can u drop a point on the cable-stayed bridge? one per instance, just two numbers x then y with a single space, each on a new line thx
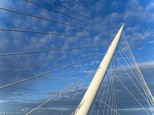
119 84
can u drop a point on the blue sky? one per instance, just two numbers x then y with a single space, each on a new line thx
138 16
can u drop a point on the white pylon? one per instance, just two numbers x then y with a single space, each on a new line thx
95 84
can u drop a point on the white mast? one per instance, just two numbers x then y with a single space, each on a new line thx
93 88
